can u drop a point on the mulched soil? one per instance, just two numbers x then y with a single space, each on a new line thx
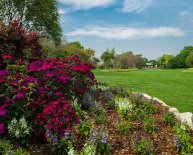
122 144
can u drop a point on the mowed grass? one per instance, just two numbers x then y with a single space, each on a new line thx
174 87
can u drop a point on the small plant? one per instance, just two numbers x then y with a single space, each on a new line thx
110 104
7 149
107 95
77 109
99 115
124 126
99 139
143 146
169 119
149 125
149 108
89 149
137 114
19 130
84 129
120 92
63 146
124 107
182 139
87 102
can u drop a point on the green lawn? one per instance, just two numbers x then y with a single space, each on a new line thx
174 87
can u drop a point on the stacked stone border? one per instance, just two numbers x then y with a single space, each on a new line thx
183 117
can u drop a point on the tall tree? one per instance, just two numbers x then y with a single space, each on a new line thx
107 57
189 60
181 57
164 60
33 15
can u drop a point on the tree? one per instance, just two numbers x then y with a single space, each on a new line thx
33 15
107 57
129 60
181 57
95 61
189 60
164 60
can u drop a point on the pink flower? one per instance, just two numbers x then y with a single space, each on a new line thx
3 112
7 57
20 96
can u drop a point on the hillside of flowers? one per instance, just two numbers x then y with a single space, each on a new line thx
52 106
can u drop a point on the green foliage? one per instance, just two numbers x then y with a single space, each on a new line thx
124 127
103 148
182 56
99 139
121 92
149 108
149 124
89 149
182 139
169 119
129 60
189 60
63 147
164 61
100 115
84 129
100 119
143 146
110 104
107 57
33 15
7 148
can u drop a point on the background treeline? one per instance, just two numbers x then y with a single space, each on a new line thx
111 59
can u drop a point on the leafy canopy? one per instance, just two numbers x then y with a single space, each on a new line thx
33 15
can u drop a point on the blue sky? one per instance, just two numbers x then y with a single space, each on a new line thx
148 27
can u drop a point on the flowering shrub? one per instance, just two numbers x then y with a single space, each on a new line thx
18 45
57 116
40 91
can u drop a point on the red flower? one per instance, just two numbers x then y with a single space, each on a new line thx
7 57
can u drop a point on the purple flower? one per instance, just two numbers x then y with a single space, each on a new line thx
2 128
104 139
3 112
63 79
20 96
31 79
58 94
119 120
3 73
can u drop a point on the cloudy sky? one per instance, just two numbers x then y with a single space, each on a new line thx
148 27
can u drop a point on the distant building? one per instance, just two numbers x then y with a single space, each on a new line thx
150 65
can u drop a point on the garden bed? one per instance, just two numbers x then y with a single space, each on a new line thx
162 136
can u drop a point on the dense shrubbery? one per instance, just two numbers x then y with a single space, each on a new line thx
42 88
35 92
18 45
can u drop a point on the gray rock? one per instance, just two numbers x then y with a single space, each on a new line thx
176 112
187 117
146 96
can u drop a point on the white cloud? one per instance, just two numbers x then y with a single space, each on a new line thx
87 4
183 13
135 5
127 32
62 11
